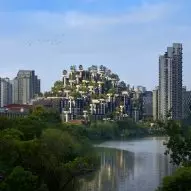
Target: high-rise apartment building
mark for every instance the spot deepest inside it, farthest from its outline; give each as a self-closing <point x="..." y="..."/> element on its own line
<point x="186" y="103"/>
<point x="147" y="104"/>
<point x="37" y="85"/>
<point x="15" y="90"/>
<point x="5" y="92"/>
<point x="25" y="86"/>
<point x="156" y="103"/>
<point x="170" y="83"/>
<point x="141" y="89"/>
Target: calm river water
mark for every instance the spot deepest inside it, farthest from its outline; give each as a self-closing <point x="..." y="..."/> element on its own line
<point x="137" y="165"/>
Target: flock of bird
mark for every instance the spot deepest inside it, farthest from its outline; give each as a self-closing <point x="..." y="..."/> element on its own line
<point x="56" y="41"/>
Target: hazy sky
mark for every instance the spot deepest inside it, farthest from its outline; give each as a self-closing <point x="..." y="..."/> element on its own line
<point x="124" y="35"/>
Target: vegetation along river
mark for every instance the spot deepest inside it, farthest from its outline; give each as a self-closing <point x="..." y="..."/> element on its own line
<point x="136" y="165"/>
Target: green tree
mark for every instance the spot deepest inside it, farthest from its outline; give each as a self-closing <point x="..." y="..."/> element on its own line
<point x="12" y="134"/>
<point x="30" y="128"/>
<point x="45" y="115"/>
<point x="179" y="149"/>
<point x="179" y="143"/>
<point x="42" y="152"/>
<point x="76" y="95"/>
<point x="58" y="86"/>
<point x="5" y="123"/>
<point x="179" y="181"/>
<point x="20" y="180"/>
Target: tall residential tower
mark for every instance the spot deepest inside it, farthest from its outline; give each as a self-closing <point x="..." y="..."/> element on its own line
<point x="5" y="92"/>
<point x="156" y="103"/>
<point x="170" y="83"/>
<point x="25" y="86"/>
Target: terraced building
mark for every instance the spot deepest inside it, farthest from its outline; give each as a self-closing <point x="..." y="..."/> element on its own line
<point x="93" y="93"/>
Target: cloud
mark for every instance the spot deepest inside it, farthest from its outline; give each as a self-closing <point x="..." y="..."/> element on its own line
<point x="129" y="43"/>
<point x="146" y="13"/>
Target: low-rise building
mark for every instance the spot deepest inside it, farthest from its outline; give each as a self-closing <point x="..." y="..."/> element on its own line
<point x="15" y="110"/>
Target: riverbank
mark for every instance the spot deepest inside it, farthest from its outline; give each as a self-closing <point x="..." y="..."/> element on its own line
<point x="41" y="148"/>
<point x="107" y="130"/>
<point x="97" y="142"/>
<point x="139" y="164"/>
<point x="38" y="153"/>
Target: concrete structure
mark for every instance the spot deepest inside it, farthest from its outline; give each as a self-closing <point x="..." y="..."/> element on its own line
<point x="49" y="103"/>
<point x="15" y="90"/>
<point x="5" y="92"/>
<point x="25" y="87"/>
<point x="22" y="108"/>
<point x="186" y="103"/>
<point x="12" y="114"/>
<point x="148" y="104"/>
<point x="15" y="110"/>
<point x="141" y="89"/>
<point x="37" y="86"/>
<point x="170" y="83"/>
<point x="94" y="94"/>
<point x="156" y="104"/>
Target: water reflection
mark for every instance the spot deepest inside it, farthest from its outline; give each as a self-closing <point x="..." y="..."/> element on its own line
<point x="137" y="165"/>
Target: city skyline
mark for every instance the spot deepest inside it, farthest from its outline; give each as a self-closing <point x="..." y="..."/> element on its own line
<point x="24" y="87"/>
<point x="58" y="35"/>
<point x="170" y="83"/>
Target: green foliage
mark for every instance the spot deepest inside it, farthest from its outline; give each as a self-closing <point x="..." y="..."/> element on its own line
<point x="55" y="141"/>
<point x="72" y="76"/>
<point x="58" y="86"/>
<point x="179" y="181"/>
<point x="107" y="130"/>
<point x="76" y="95"/>
<point x="30" y="128"/>
<point x="12" y="134"/>
<point x="39" y="153"/>
<point x="83" y="88"/>
<point x="112" y="91"/>
<point x="131" y="129"/>
<point x="101" y="130"/>
<point x="45" y="115"/>
<point x="179" y="149"/>
<point x="98" y="96"/>
<point x="115" y="76"/>
<point x="92" y="83"/>
<point x="48" y="94"/>
<point x="5" y="123"/>
<point x="179" y="144"/>
<point x="20" y="180"/>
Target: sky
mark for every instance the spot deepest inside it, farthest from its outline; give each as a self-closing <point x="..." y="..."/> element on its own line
<point x="127" y="36"/>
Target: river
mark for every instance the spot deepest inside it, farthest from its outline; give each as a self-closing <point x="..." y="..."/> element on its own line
<point x="137" y="165"/>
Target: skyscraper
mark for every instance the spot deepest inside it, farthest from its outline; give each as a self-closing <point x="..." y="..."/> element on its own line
<point x="37" y="85"/>
<point x="155" y="103"/>
<point x="5" y="92"/>
<point x="170" y="83"/>
<point x="186" y="103"/>
<point x="25" y="86"/>
<point x="147" y="104"/>
<point x="141" y="89"/>
<point x="15" y="90"/>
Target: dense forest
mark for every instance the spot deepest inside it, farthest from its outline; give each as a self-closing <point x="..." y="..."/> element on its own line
<point x="40" y="153"/>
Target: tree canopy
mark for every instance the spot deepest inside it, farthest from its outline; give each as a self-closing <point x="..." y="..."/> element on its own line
<point x="38" y="153"/>
<point x="179" y="149"/>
